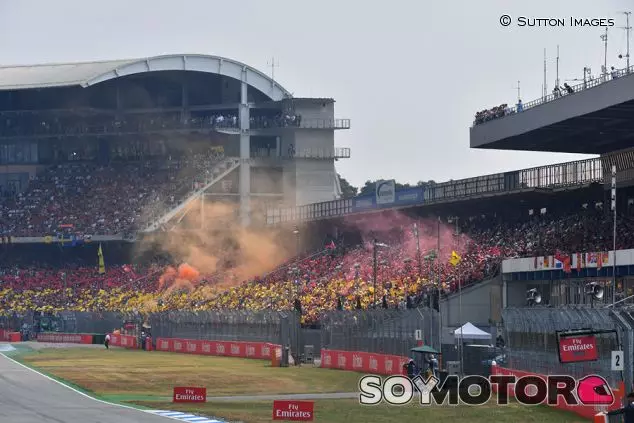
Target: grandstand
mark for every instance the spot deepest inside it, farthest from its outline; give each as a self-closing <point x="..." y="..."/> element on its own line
<point x="109" y="153"/>
<point x="164" y="130"/>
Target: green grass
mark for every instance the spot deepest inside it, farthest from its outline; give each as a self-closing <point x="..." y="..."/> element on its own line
<point x="349" y="411"/>
<point x="146" y="379"/>
<point x="120" y="373"/>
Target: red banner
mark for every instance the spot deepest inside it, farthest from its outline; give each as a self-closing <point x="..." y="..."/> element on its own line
<point x="587" y="411"/>
<point x="381" y="364"/>
<point x="256" y="350"/>
<point x="189" y="394"/>
<point x="577" y="348"/>
<point x="125" y="341"/>
<point x="67" y="338"/>
<point x="296" y="411"/>
<point x="9" y="336"/>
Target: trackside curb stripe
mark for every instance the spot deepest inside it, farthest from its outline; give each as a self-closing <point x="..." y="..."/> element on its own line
<point x="189" y="418"/>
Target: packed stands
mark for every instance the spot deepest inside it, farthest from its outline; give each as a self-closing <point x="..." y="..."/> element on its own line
<point x="103" y="200"/>
<point x="32" y="124"/>
<point x="340" y="276"/>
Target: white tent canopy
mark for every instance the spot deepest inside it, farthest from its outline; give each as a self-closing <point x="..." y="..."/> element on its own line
<point x="471" y="332"/>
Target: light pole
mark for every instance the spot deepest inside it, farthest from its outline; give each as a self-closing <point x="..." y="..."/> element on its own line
<point x="613" y="203"/>
<point x="374" y="268"/>
<point x="408" y="271"/>
<point x="418" y="254"/>
<point x="375" y="244"/>
<point x="627" y="29"/>
<point x="297" y="249"/>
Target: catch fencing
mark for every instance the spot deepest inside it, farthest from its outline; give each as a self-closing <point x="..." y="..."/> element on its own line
<point x="379" y="331"/>
<point x="236" y="325"/>
<point x="385" y="331"/>
<point x="531" y="340"/>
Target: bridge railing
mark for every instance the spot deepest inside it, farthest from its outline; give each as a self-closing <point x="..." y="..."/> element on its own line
<point x="564" y="175"/>
<point x="303" y="153"/>
<point x="325" y="123"/>
<point x="582" y="86"/>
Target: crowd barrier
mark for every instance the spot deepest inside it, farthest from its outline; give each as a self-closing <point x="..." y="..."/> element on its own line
<point x="67" y="338"/>
<point x="587" y="411"/>
<point x="124" y="341"/>
<point x="255" y="350"/>
<point x="357" y="361"/>
<point x="10" y="336"/>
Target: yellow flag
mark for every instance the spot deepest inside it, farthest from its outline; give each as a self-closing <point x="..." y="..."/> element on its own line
<point x="102" y="265"/>
<point x="455" y="258"/>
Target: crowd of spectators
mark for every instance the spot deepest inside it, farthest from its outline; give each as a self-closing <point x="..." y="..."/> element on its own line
<point x="339" y="276"/>
<point x="93" y="199"/>
<point x="32" y="124"/>
<point x="493" y="113"/>
<point x="281" y="120"/>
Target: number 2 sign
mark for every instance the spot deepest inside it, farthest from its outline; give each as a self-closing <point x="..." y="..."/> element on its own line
<point x="617" y="361"/>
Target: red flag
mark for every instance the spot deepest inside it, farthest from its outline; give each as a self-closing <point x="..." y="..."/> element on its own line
<point x="567" y="268"/>
<point x="600" y="261"/>
<point x="559" y="257"/>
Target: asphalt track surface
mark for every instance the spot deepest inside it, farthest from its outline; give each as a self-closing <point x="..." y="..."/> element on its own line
<point x="28" y="397"/>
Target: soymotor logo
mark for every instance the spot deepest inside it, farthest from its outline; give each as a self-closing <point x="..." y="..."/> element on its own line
<point x="478" y="390"/>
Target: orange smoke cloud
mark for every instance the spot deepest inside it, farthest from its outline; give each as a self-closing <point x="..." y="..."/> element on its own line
<point x="167" y="277"/>
<point x="187" y="272"/>
<point x="219" y="250"/>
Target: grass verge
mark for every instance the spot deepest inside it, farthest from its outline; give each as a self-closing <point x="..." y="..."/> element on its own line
<point x="119" y="372"/>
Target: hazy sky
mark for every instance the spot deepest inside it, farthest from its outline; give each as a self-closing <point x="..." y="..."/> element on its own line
<point x="410" y="74"/>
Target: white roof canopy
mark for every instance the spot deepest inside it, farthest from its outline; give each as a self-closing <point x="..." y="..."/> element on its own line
<point x="469" y="331"/>
<point x="86" y="74"/>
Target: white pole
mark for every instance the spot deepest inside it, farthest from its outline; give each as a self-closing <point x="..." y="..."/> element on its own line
<point x="604" y="38"/>
<point x="518" y="91"/>
<point x="614" y="234"/>
<point x="557" y="76"/>
<point x="439" y="290"/>
<point x="545" y="89"/>
<point x="627" y="29"/>
<point x="460" y="323"/>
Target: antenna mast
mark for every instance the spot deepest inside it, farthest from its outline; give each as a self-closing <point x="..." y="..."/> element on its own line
<point x="273" y="65"/>
<point x="604" y="38"/>
<point x="518" y="91"/>
<point x="545" y="90"/>
<point x="557" y="76"/>
<point x="627" y="29"/>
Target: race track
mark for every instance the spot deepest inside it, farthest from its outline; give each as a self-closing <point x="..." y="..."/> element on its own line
<point x="28" y="397"/>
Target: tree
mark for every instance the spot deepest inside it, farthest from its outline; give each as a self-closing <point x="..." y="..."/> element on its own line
<point x="347" y="190"/>
<point x="429" y="183"/>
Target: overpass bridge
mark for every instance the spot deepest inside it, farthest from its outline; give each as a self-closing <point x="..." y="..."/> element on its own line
<point x="595" y="116"/>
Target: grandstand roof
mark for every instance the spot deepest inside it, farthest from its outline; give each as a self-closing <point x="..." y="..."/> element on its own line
<point x="86" y="74"/>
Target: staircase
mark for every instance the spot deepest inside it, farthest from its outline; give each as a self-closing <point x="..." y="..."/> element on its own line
<point x="221" y="170"/>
